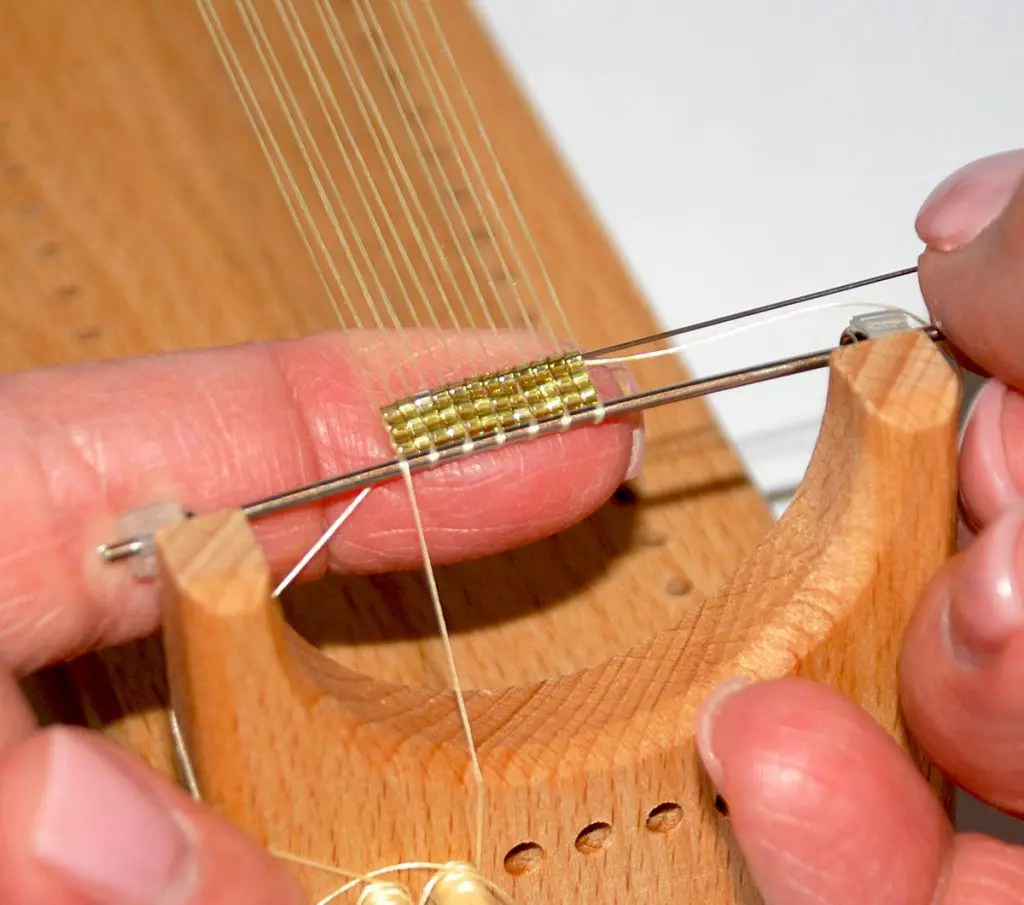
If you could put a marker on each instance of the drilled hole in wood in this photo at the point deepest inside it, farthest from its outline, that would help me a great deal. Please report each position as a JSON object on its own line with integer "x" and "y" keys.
{"x": 649, "y": 537}
{"x": 594, "y": 837}
{"x": 678, "y": 586}
{"x": 524, "y": 858}
{"x": 67, "y": 292}
{"x": 665, "y": 817}
{"x": 625, "y": 495}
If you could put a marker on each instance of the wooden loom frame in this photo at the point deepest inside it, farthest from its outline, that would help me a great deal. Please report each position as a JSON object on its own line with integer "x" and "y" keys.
{"x": 831, "y": 605}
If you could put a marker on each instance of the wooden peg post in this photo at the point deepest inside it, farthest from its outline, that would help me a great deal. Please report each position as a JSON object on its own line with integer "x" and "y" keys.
{"x": 594, "y": 793}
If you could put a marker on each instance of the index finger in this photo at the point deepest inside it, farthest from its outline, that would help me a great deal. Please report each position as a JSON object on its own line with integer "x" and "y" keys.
{"x": 212, "y": 429}
{"x": 972, "y": 271}
{"x": 972, "y": 277}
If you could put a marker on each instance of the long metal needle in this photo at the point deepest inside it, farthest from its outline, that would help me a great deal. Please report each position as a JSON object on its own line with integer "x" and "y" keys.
{"x": 752, "y": 312}
{"x": 624, "y": 405}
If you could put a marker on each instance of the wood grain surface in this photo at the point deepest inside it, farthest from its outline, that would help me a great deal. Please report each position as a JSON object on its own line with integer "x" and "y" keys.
{"x": 593, "y": 787}
{"x": 138, "y": 216}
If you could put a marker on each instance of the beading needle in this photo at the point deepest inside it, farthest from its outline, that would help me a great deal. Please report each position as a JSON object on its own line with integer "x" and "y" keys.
{"x": 753, "y": 312}
{"x": 646, "y": 399}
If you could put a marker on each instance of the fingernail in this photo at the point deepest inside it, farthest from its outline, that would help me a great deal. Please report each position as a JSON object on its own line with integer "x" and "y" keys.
{"x": 965, "y": 533}
{"x": 987, "y": 486}
{"x": 968, "y": 416}
{"x": 969, "y": 200}
{"x": 636, "y": 453}
{"x": 986, "y": 607}
{"x": 104, "y": 835}
{"x": 628, "y": 386}
{"x": 709, "y": 712}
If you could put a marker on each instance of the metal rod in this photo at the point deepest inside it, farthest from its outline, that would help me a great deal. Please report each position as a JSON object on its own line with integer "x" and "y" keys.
{"x": 647, "y": 399}
{"x": 751, "y": 312}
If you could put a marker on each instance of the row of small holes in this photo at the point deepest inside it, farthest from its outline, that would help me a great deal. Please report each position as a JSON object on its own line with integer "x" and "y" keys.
{"x": 527, "y": 856}
{"x": 680, "y": 585}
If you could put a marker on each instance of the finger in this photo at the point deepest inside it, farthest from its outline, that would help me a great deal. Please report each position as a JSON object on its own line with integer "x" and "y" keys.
{"x": 823, "y": 804}
{"x": 82, "y": 823}
{"x": 992, "y": 454}
{"x": 972, "y": 271}
{"x": 962, "y": 666}
{"x": 211, "y": 429}
{"x": 16, "y": 719}
{"x": 982, "y": 871}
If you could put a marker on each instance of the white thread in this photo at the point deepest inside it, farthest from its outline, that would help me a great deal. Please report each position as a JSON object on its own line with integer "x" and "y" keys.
{"x": 177, "y": 737}
{"x": 510, "y": 197}
{"x": 764, "y": 322}
{"x": 296, "y": 118}
{"x": 321, "y": 543}
{"x": 354, "y": 879}
{"x": 442, "y": 625}
{"x": 254, "y": 114}
{"x": 430, "y": 80}
{"x": 337, "y": 40}
{"x": 184, "y": 759}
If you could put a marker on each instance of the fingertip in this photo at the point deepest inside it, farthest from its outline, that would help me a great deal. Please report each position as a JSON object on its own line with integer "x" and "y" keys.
{"x": 710, "y": 718}
{"x": 762, "y": 738}
{"x": 970, "y": 273}
{"x": 105, "y": 835}
{"x": 627, "y": 385}
{"x": 81, "y": 820}
{"x": 967, "y": 201}
{"x": 989, "y": 456}
{"x": 962, "y": 665}
{"x": 982, "y": 869}
{"x": 16, "y": 718}
{"x": 520, "y": 492}
{"x": 824, "y": 805}
{"x": 986, "y": 606}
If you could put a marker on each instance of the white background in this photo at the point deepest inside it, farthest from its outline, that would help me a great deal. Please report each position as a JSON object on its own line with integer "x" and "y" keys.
{"x": 741, "y": 151}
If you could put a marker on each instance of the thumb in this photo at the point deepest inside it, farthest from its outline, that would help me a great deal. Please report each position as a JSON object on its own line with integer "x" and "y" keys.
{"x": 823, "y": 804}
{"x": 82, "y": 823}
{"x": 972, "y": 271}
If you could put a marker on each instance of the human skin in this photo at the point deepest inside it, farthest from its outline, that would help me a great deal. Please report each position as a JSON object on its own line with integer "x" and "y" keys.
{"x": 80, "y": 821}
{"x": 825, "y": 808}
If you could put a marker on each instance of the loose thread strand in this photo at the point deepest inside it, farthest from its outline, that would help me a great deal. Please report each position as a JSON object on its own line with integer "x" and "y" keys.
{"x": 745, "y": 328}
{"x": 442, "y": 624}
{"x": 324, "y": 539}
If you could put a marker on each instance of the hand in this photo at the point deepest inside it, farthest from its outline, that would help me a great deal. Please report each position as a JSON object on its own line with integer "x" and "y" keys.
{"x": 80, "y": 820}
{"x": 825, "y": 807}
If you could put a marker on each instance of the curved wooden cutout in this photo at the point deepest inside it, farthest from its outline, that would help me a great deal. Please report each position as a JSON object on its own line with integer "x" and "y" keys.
{"x": 324, "y": 763}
